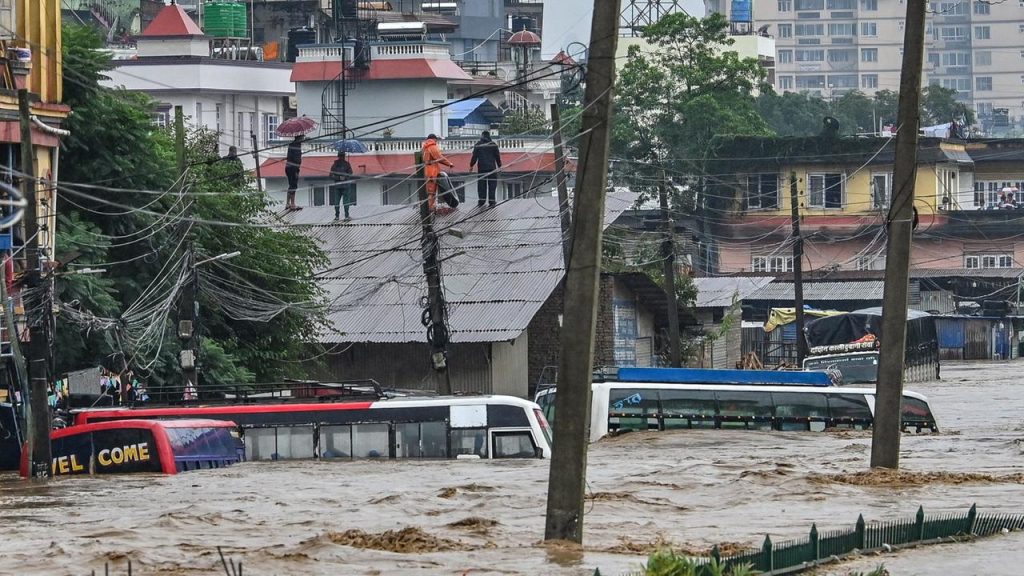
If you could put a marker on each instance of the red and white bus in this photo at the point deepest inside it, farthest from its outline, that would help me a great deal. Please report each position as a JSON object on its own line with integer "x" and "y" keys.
{"x": 131, "y": 446}
{"x": 405, "y": 427}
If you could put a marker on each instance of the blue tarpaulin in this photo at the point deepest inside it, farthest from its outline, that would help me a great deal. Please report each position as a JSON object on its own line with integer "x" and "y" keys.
{"x": 473, "y": 111}
{"x": 706, "y": 376}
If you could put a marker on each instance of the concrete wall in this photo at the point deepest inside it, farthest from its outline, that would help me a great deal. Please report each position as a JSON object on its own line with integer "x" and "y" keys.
{"x": 378, "y": 101}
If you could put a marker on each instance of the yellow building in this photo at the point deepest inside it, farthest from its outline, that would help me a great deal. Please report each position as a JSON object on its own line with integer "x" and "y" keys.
{"x": 31, "y": 48}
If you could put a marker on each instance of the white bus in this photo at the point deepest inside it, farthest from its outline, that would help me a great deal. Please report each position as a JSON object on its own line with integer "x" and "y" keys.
{"x": 619, "y": 406}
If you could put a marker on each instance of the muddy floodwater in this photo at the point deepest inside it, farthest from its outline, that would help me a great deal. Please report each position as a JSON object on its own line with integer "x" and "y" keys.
{"x": 689, "y": 488}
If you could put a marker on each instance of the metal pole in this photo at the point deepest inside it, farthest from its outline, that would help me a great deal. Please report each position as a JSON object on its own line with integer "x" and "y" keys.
{"x": 798, "y": 271}
{"x": 37, "y": 313}
{"x": 885, "y": 444}
{"x": 567, "y": 474}
{"x": 668, "y": 252}
{"x": 256, "y": 158}
{"x": 562, "y": 184}
{"x": 437, "y": 331}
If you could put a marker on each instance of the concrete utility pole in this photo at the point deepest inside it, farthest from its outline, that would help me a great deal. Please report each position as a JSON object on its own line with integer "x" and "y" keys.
{"x": 256, "y": 159}
{"x": 38, "y": 413}
{"x": 187, "y": 306}
{"x": 668, "y": 253}
{"x": 437, "y": 329}
{"x": 798, "y": 271}
{"x": 563, "y": 187}
{"x": 568, "y": 470}
{"x": 885, "y": 441}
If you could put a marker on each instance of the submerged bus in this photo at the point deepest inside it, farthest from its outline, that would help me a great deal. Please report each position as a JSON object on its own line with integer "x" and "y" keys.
{"x": 468, "y": 427}
{"x": 658, "y": 399}
{"x": 131, "y": 446}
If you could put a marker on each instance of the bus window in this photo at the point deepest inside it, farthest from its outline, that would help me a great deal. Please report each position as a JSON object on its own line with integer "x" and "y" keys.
{"x": 370, "y": 441}
{"x": 688, "y": 408}
{"x": 632, "y": 409}
{"x": 407, "y": 440}
{"x": 739, "y": 409}
{"x": 916, "y": 414}
{"x": 513, "y": 445}
{"x": 295, "y": 442}
{"x": 469, "y": 441}
{"x": 849, "y": 410}
{"x": 800, "y": 411}
{"x": 421, "y": 440}
{"x": 261, "y": 444}
{"x": 335, "y": 441}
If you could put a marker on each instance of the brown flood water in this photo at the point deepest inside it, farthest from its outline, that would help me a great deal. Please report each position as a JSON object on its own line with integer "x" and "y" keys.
{"x": 688, "y": 488}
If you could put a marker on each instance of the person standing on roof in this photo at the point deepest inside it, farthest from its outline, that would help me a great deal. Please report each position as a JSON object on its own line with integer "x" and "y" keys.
{"x": 291, "y": 169}
{"x": 487, "y": 158}
{"x": 343, "y": 190}
{"x": 433, "y": 159}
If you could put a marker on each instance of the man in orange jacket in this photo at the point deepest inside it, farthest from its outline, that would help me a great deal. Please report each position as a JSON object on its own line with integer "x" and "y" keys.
{"x": 433, "y": 158}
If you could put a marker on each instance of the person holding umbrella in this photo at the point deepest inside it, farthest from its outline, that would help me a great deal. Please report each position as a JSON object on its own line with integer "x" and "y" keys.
{"x": 487, "y": 158}
{"x": 292, "y": 163}
{"x": 343, "y": 191}
{"x": 433, "y": 159}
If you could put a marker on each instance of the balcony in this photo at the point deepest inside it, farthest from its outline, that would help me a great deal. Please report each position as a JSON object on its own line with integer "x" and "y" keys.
{"x": 378, "y": 51}
{"x": 411, "y": 145}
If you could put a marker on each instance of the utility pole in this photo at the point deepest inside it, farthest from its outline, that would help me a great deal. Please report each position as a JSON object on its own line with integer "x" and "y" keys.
{"x": 256, "y": 159}
{"x": 562, "y": 185}
{"x": 188, "y": 357}
{"x": 885, "y": 440}
{"x": 567, "y": 476}
{"x": 668, "y": 253}
{"x": 37, "y": 313}
{"x": 798, "y": 271}
{"x": 437, "y": 328}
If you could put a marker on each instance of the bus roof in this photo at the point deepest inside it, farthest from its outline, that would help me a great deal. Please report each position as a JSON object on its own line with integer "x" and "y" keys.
{"x": 716, "y": 376}
{"x": 140, "y": 423}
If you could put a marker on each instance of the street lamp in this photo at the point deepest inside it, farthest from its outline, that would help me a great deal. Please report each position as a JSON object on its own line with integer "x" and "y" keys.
{"x": 224, "y": 256}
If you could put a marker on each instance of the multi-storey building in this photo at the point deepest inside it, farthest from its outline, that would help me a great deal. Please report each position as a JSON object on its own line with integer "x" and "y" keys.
{"x": 828, "y": 47}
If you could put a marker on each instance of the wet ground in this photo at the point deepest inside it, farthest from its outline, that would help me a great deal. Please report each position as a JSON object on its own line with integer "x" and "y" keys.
{"x": 689, "y": 488}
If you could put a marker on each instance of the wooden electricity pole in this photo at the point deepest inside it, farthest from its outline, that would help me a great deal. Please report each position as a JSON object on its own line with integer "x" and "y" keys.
{"x": 885, "y": 442}
{"x": 668, "y": 254}
{"x": 562, "y": 185}
{"x": 437, "y": 329}
{"x": 187, "y": 307}
{"x": 568, "y": 469}
{"x": 39, "y": 311}
{"x": 798, "y": 271}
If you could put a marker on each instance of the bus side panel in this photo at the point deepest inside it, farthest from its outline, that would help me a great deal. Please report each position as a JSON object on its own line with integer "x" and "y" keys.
{"x": 126, "y": 450}
{"x": 598, "y": 411}
{"x": 71, "y": 455}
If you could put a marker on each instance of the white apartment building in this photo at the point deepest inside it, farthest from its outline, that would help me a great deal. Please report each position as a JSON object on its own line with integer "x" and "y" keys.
{"x": 828, "y": 47}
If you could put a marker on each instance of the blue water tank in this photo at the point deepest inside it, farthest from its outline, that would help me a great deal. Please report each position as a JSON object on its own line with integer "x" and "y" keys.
{"x": 742, "y": 11}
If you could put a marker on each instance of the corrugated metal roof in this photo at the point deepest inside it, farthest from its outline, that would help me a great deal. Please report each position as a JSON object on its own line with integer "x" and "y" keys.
{"x": 721, "y": 291}
{"x": 496, "y": 276}
{"x": 822, "y": 291}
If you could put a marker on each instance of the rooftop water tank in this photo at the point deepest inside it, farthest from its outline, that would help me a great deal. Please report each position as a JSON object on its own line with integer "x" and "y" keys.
{"x": 741, "y": 11}
{"x": 219, "y": 20}
{"x": 241, "y": 19}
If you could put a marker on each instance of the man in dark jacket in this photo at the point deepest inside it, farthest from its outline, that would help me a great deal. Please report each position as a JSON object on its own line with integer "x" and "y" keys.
{"x": 343, "y": 189}
{"x": 237, "y": 169}
{"x": 487, "y": 158}
{"x": 291, "y": 169}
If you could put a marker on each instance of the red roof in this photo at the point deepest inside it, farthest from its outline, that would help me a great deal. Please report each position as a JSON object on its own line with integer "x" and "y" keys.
{"x": 171, "y": 21}
{"x": 406, "y": 69}
{"x": 563, "y": 58}
{"x": 380, "y": 164}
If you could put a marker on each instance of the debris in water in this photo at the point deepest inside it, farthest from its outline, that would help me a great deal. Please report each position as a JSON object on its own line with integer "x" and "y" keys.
{"x": 451, "y": 491}
{"x": 409, "y": 540}
{"x": 475, "y": 524}
{"x": 891, "y": 478}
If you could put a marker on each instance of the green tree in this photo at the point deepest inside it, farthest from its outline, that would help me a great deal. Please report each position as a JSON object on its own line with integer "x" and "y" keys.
{"x": 530, "y": 121}
{"x": 939, "y": 105}
{"x": 125, "y": 212}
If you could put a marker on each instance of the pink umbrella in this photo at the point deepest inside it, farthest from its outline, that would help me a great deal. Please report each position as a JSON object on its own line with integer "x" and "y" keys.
{"x": 296, "y": 126}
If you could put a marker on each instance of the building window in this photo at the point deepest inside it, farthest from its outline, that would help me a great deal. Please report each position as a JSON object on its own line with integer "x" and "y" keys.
{"x": 881, "y": 190}
{"x": 956, "y": 58}
{"x": 873, "y": 262}
{"x": 785, "y": 82}
{"x": 512, "y": 190}
{"x": 983, "y": 83}
{"x": 762, "y": 191}
{"x": 869, "y": 81}
{"x": 952, "y": 32}
{"x": 869, "y": 29}
{"x": 869, "y": 54}
{"x": 840, "y": 4}
{"x": 785, "y": 5}
{"x": 983, "y": 58}
{"x": 842, "y": 55}
{"x": 318, "y": 196}
{"x": 826, "y": 190}
{"x": 785, "y": 56}
{"x": 810, "y": 29}
{"x": 810, "y": 4}
{"x": 816, "y": 82}
{"x": 270, "y": 122}
{"x": 220, "y": 111}
{"x": 161, "y": 118}
{"x": 951, "y": 8}
{"x": 842, "y": 29}
{"x": 772, "y": 263}
{"x": 983, "y": 32}
{"x": 810, "y": 55}
{"x": 869, "y": 5}
{"x": 988, "y": 261}
{"x": 982, "y": 8}
{"x": 199, "y": 114}
{"x": 934, "y": 58}
{"x": 958, "y": 84}
{"x": 785, "y": 30}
